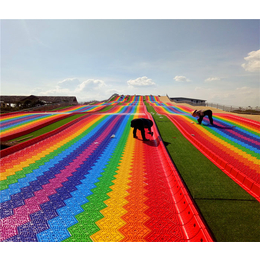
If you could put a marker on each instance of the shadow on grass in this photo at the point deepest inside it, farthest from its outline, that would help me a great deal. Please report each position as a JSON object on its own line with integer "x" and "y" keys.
{"x": 155, "y": 143}
{"x": 166, "y": 143}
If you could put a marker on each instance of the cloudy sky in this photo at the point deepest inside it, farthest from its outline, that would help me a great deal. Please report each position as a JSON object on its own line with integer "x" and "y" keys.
{"x": 217, "y": 60}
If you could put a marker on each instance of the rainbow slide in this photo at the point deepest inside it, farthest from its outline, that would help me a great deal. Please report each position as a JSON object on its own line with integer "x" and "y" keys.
{"x": 94, "y": 182}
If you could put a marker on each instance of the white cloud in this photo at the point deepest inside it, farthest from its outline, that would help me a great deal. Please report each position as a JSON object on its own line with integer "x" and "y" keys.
{"x": 241, "y": 96}
{"x": 90, "y": 89}
{"x": 252, "y": 61}
{"x": 245, "y": 90}
{"x": 69, "y": 83}
{"x": 56, "y": 90}
{"x": 91, "y": 85}
{"x": 212, "y": 79}
{"x": 181, "y": 79}
{"x": 94, "y": 89}
{"x": 141, "y": 82}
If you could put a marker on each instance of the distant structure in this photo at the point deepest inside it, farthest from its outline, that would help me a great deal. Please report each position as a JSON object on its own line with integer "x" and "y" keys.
{"x": 34, "y": 101}
{"x": 191, "y": 101}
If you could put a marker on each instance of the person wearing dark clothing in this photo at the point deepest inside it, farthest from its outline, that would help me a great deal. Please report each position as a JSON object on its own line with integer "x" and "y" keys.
{"x": 141, "y": 124}
{"x": 201, "y": 113}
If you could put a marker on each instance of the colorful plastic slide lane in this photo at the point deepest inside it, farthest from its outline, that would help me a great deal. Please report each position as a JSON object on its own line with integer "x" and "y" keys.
{"x": 95, "y": 182}
{"x": 95, "y": 107}
{"x": 153, "y": 99}
{"x": 119, "y": 101}
{"x": 17, "y": 124}
{"x": 118, "y": 108}
{"x": 83, "y": 108}
{"x": 121, "y": 98}
{"x": 233, "y": 143}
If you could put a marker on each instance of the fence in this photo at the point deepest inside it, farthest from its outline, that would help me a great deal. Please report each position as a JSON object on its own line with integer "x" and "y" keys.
{"x": 237, "y": 109}
{"x": 248, "y": 110}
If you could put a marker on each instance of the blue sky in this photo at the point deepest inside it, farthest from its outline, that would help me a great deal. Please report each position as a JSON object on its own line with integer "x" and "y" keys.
{"x": 217, "y": 60}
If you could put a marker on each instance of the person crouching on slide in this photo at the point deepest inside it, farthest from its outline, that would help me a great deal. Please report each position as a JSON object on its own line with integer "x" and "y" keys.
{"x": 141, "y": 124}
{"x": 201, "y": 113}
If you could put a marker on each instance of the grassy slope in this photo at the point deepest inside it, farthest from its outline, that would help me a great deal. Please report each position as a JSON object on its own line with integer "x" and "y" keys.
{"x": 230, "y": 212}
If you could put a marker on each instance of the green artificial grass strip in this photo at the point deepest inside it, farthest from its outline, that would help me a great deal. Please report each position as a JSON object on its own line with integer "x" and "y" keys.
{"x": 204, "y": 178}
{"x": 48, "y": 128}
{"x": 213, "y": 191}
{"x": 234, "y": 220}
{"x": 53, "y": 126}
{"x": 21, "y": 124}
{"x": 61, "y": 108}
{"x": 113, "y": 99}
{"x": 105, "y": 109}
